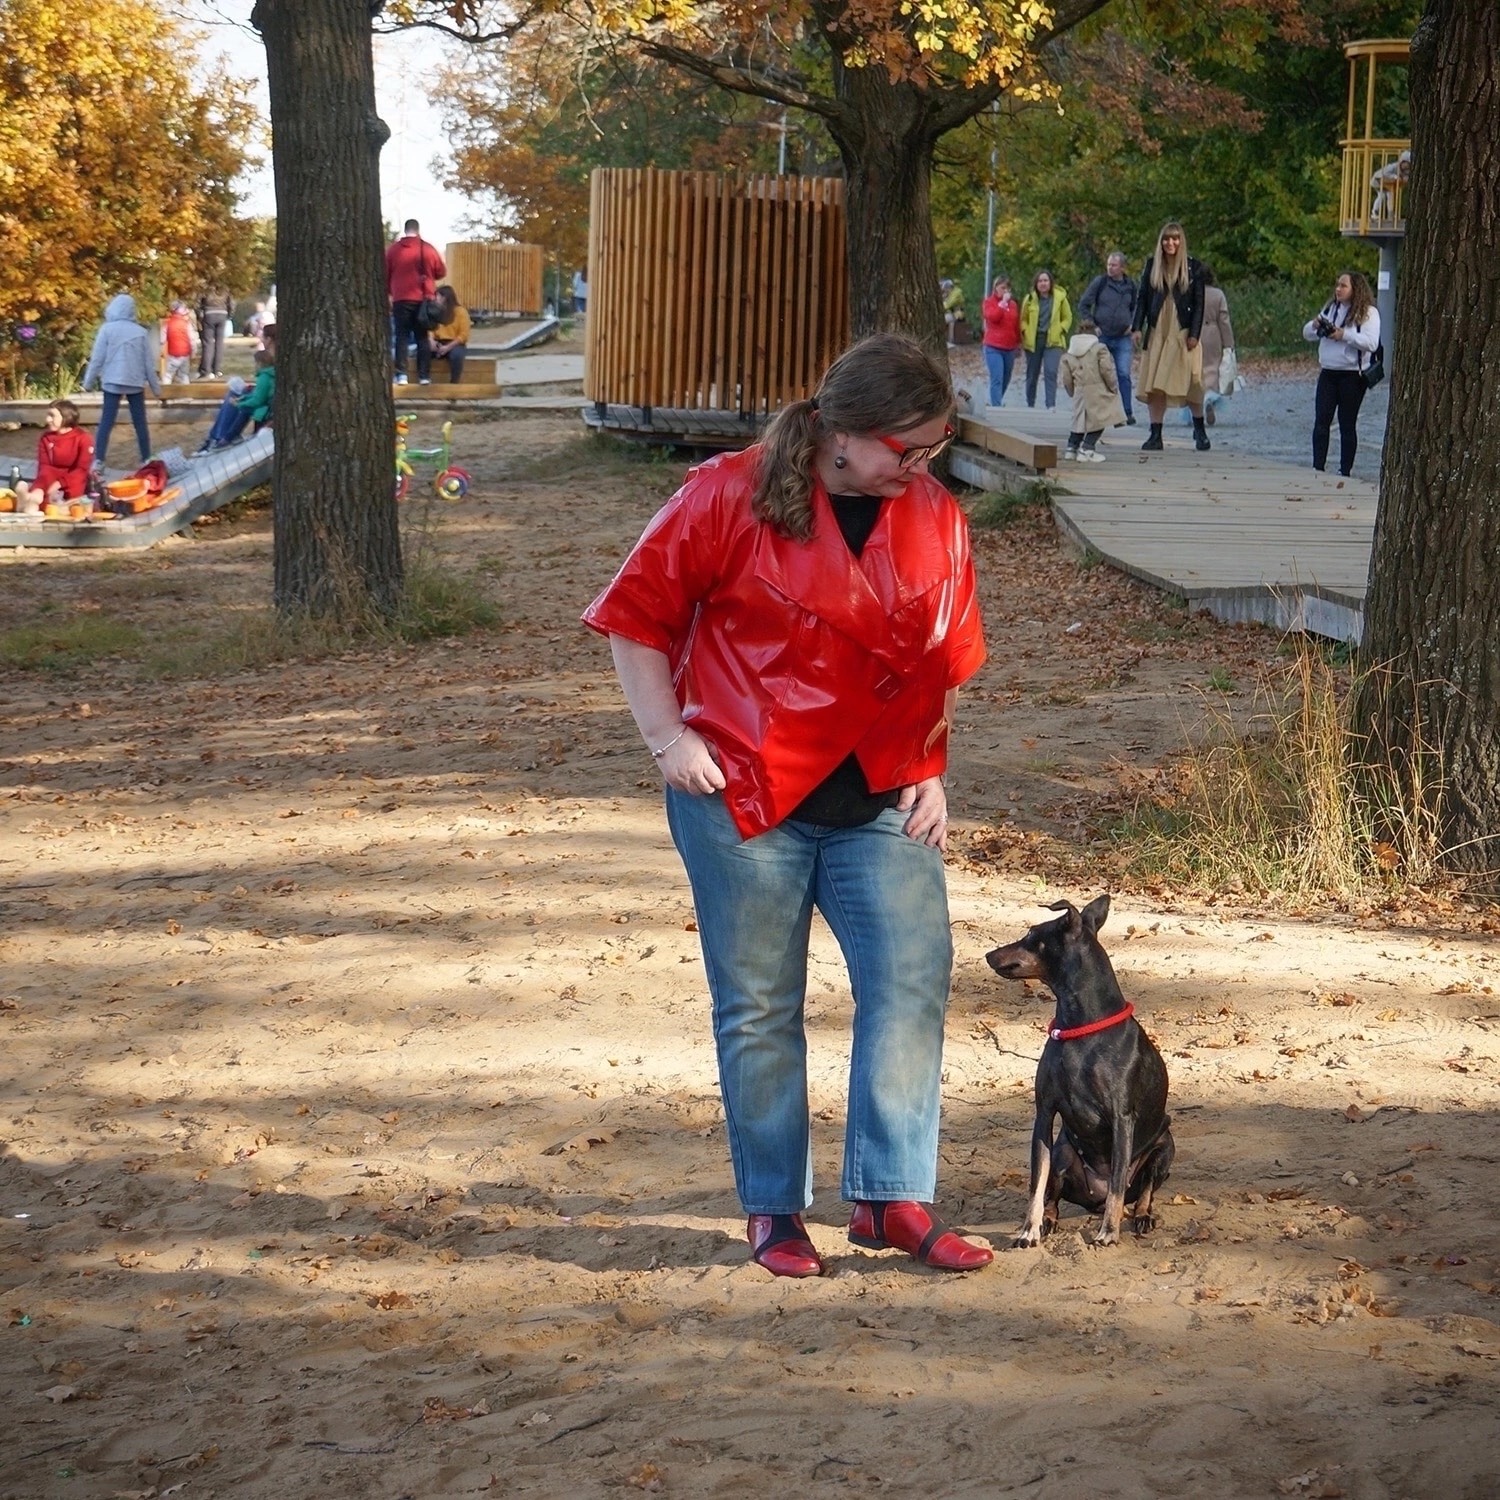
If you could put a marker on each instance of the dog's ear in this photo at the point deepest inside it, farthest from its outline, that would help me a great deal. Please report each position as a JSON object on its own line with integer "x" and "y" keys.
{"x": 1074, "y": 920}
{"x": 1095, "y": 913}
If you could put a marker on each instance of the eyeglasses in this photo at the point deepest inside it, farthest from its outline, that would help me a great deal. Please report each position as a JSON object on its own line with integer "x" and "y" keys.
{"x": 909, "y": 458}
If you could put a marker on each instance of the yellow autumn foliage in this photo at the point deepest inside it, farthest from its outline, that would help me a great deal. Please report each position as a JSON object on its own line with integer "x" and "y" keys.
{"x": 117, "y": 168}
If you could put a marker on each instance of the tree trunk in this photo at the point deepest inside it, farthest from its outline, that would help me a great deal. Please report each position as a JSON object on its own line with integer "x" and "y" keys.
{"x": 886, "y": 143}
{"x": 338, "y": 544}
{"x": 1433, "y": 610}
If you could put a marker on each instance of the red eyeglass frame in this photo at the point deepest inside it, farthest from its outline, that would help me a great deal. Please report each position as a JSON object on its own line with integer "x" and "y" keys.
{"x": 910, "y": 457}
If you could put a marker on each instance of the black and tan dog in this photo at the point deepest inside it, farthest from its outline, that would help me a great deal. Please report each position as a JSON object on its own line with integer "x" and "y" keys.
{"x": 1100, "y": 1072}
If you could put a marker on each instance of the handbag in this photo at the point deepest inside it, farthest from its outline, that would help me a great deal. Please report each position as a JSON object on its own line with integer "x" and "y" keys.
{"x": 1374, "y": 372}
{"x": 1229, "y": 372}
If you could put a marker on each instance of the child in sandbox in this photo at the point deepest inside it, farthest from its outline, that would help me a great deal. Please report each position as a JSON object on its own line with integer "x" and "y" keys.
{"x": 64, "y": 455}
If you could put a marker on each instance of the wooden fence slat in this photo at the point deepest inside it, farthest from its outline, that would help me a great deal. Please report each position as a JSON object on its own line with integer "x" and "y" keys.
{"x": 712, "y": 291}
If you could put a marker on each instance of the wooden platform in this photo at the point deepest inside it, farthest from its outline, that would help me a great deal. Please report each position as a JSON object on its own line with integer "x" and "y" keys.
{"x": 1240, "y": 536}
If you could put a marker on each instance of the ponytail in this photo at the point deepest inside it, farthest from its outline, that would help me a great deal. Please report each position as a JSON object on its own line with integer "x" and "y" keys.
{"x": 886, "y": 383}
{"x": 784, "y": 480}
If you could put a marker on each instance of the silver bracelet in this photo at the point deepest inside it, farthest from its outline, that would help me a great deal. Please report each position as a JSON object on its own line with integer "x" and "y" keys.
{"x": 657, "y": 754}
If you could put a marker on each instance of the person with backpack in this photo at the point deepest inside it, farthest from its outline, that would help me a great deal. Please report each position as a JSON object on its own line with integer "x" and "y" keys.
{"x": 1347, "y": 333}
{"x": 412, "y": 270}
{"x": 1109, "y": 300}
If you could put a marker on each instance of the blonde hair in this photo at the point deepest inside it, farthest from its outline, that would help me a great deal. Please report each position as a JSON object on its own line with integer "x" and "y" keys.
{"x": 886, "y": 383}
{"x": 1175, "y": 275}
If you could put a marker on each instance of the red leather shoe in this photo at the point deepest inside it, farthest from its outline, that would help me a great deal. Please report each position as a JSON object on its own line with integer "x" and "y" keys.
{"x": 792, "y": 1255}
{"x": 914, "y": 1228}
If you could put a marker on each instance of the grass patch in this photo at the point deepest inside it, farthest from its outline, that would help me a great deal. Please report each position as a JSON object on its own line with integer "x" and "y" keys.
{"x": 68, "y": 644}
{"x": 1296, "y": 802}
{"x": 996, "y": 509}
{"x": 439, "y": 603}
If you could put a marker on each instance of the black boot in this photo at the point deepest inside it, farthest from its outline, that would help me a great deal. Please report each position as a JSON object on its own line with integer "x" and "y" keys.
{"x": 1153, "y": 443}
{"x": 1200, "y": 436}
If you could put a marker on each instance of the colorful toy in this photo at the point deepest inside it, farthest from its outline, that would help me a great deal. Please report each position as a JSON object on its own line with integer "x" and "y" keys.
{"x": 449, "y": 483}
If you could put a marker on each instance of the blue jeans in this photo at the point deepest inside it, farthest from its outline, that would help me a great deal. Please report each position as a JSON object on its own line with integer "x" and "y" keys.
{"x": 1001, "y": 364}
{"x": 231, "y": 421}
{"x": 1121, "y": 347}
{"x": 136, "y": 401}
{"x": 885, "y": 898}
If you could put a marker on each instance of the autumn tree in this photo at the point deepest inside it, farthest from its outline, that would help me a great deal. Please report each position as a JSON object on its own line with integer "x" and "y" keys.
{"x": 117, "y": 166}
{"x": 1433, "y": 609}
{"x": 899, "y": 78}
{"x": 529, "y": 119}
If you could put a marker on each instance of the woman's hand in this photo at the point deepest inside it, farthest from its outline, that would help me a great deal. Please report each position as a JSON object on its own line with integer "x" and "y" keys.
{"x": 691, "y": 766}
{"x": 927, "y": 802}
{"x": 1192, "y": 344}
{"x": 1135, "y": 337}
{"x": 1338, "y": 333}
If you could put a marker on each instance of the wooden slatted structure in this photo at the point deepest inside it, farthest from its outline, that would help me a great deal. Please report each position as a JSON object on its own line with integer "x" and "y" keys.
{"x": 713, "y": 292}
{"x": 495, "y": 278}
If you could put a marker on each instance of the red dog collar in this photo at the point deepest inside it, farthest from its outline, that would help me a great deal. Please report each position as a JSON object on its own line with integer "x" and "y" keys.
{"x": 1056, "y": 1033}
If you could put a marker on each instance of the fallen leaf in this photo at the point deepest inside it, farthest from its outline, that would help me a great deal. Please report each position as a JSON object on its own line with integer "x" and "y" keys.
{"x": 580, "y": 1142}
{"x": 649, "y": 1477}
{"x": 390, "y": 1301}
{"x": 1355, "y": 1115}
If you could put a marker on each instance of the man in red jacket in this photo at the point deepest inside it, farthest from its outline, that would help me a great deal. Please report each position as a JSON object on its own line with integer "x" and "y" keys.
{"x": 412, "y": 270}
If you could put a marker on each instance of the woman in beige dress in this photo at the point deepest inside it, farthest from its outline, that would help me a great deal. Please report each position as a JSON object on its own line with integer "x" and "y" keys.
{"x": 1169, "y": 323}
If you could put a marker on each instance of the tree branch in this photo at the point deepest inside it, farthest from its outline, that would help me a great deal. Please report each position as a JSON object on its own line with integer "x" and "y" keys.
{"x": 741, "y": 79}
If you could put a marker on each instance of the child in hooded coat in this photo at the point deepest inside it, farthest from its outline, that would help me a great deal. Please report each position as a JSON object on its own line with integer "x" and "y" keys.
{"x": 1088, "y": 375}
{"x": 123, "y": 364}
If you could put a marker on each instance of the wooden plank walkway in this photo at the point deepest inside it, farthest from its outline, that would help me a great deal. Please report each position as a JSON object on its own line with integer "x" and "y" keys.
{"x": 1243, "y": 537}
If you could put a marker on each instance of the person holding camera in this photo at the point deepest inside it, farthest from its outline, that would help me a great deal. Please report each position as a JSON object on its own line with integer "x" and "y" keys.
{"x": 1347, "y": 333}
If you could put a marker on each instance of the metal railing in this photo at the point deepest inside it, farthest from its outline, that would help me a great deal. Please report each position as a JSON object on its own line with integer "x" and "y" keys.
{"x": 1373, "y": 197}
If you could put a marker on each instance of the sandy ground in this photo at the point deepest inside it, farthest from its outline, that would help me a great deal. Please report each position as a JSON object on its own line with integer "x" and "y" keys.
{"x": 361, "y": 1136}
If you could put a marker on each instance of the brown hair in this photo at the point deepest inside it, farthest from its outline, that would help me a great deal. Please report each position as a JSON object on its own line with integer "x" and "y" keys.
{"x": 1051, "y": 281}
{"x": 1361, "y": 299}
{"x": 886, "y": 383}
{"x": 66, "y": 410}
{"x": 1174, "y": 276}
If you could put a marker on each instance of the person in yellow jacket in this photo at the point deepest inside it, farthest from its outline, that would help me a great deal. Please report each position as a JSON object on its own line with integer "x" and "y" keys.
{"x": 1046, "y": 318}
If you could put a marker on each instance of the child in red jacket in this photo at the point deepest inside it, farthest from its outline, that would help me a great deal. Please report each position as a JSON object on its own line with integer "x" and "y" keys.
{"x": 64, "y": 454}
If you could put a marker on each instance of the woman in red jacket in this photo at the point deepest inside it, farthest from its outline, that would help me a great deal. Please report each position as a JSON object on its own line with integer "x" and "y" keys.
{"x": 791, "y": 632}
{"x": 64, "y": 454}
{"x": 1002, "y": 337}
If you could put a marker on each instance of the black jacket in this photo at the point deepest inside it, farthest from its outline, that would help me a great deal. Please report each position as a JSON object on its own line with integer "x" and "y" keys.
{"x": 1149, "y": 302}
{"x": 1111, "y": 304}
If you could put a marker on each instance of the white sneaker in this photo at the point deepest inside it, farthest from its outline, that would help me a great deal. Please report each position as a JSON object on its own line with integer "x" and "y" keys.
{"x": 1070, "y": 453}
{"x": 1091, "y": 456}
{"x": 424, "y": 381}
{"x": 400, "y": 380}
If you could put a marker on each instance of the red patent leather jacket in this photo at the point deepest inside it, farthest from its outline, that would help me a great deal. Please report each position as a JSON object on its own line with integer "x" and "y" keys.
{"x": 787, "y": 656}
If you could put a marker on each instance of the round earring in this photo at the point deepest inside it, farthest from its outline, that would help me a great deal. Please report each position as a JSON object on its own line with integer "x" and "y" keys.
{"x": 840, "y": 462}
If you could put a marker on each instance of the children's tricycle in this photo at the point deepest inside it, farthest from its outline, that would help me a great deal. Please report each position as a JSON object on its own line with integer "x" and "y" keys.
{"x": 449, "y": 483}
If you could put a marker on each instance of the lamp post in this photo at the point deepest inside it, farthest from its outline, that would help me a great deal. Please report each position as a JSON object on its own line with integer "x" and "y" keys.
{"x": 989, "y": 228}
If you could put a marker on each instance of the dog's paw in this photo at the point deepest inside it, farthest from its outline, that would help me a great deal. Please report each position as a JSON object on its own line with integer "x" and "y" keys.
{"x": 1143, "y": 1224}
{"x": 1107, "y": 1236}
{"x": 1027, "y": 1239}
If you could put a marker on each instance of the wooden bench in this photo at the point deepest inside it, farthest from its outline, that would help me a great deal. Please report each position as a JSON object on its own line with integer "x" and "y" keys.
{"x": 1031, "y": 453}
{"x": 478, "y": 370}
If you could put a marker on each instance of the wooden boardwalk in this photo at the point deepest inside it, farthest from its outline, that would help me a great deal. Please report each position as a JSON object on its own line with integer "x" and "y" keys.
{"x": 1242, "y": 537}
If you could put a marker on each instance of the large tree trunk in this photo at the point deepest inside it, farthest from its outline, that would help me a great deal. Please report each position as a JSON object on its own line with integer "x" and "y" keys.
{"x": 338, "y": 545}
{"x": 1433, "y": 611}
{"x": 886, "y": 143}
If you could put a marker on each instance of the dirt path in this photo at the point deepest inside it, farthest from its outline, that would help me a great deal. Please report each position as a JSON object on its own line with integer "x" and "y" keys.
{"x": 361, "y": 1131}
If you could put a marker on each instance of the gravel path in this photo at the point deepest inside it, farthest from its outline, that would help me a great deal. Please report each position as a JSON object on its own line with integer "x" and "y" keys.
{"x": 1272, "y": 417}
